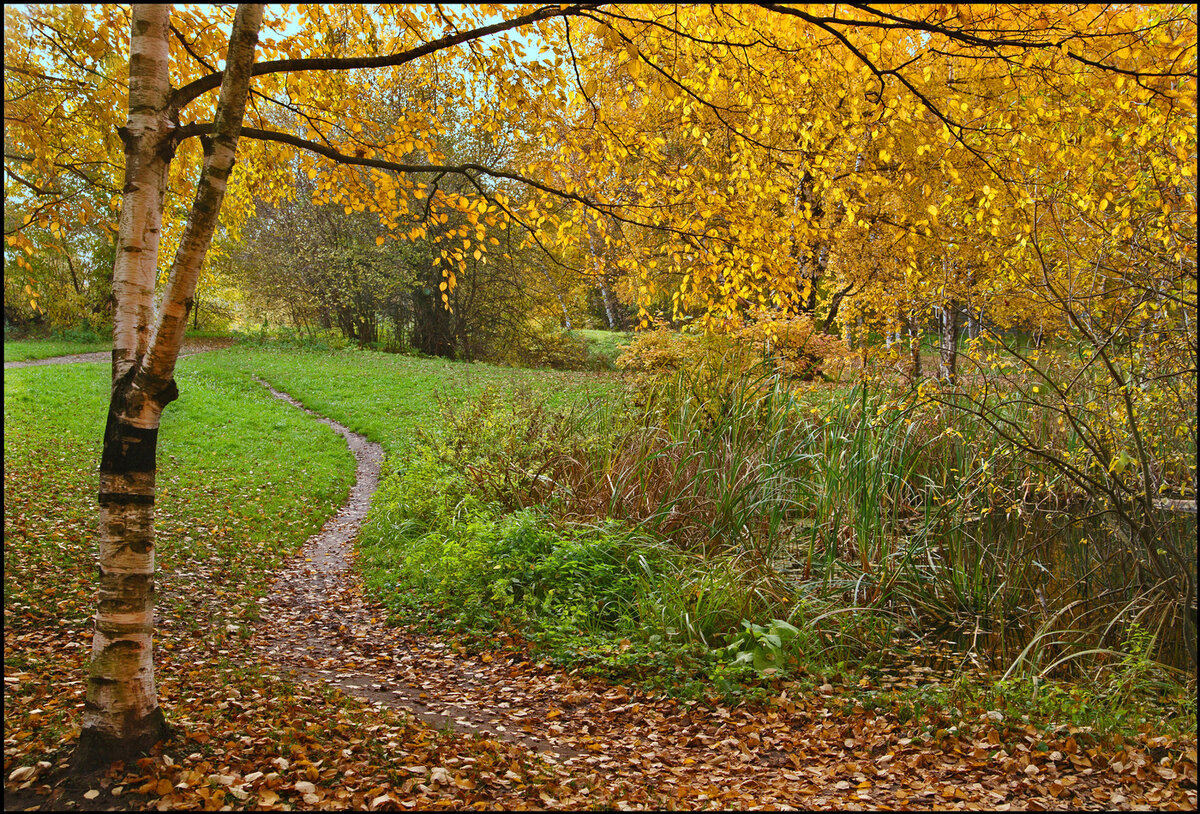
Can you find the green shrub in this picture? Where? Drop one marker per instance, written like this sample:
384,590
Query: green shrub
431,536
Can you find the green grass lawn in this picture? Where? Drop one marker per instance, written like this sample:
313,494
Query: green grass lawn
383,395
230,509
608,344
228,501
243,481
25,350
218,446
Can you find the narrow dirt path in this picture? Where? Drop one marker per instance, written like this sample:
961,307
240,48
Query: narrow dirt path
319,623
190,348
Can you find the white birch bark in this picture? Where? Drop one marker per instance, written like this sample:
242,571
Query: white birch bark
121,712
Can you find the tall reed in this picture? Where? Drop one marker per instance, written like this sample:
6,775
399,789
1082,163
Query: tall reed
835,506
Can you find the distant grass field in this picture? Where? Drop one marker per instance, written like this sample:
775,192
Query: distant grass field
383,395
608,344
28,349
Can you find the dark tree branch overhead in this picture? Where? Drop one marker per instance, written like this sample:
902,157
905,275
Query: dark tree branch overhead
1004,38
187,46
192,90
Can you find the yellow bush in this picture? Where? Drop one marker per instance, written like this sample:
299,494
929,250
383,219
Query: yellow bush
794,344
799,350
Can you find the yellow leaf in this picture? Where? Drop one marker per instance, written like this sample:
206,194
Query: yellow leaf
379,240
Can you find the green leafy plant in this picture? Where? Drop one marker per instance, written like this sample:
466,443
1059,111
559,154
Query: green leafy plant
767,648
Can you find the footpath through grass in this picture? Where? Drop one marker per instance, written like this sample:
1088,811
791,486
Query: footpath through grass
383,395
243,481
230,508
29,349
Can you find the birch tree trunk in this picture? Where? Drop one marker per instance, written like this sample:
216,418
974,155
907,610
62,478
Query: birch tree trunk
121,712
914,346
948,346
604,276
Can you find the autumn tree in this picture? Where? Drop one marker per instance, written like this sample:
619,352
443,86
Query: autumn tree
723,159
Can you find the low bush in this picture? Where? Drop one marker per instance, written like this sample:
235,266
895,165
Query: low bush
465,535
429,537
661,350
795,347
540,347
848,515
792,346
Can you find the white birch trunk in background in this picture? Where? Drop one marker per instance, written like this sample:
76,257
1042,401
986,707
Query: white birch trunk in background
603,270
121,712
948,341
914,347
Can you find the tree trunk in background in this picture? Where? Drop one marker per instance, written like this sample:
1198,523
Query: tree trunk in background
914,338
948,344
974,323
834,305
561,302
121,713
610,310
433,333
604,278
